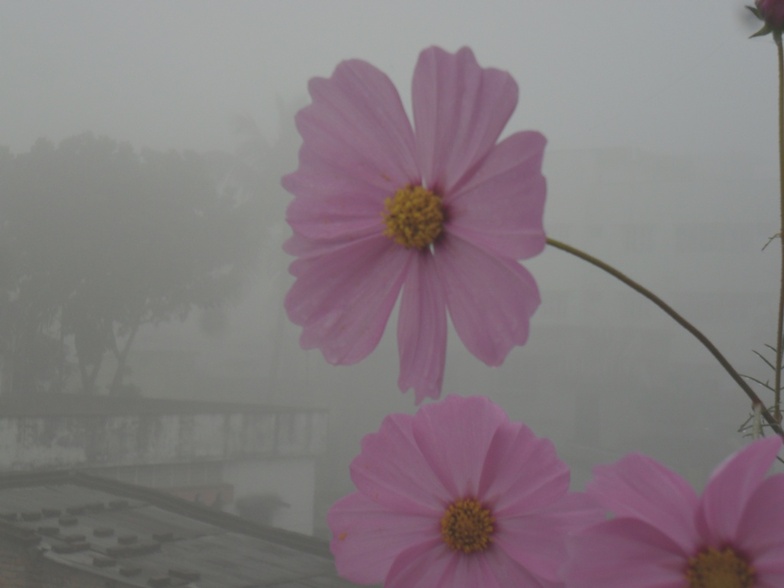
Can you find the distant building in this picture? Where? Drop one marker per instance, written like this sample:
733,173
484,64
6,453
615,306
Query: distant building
217,454
68,529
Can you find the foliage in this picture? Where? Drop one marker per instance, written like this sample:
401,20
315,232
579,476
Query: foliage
99,239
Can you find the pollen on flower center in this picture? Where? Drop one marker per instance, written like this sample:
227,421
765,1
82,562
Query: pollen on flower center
414,217
713,568
467,526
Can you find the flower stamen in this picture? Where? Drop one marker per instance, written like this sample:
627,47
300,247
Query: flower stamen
467,526
414,217
713,568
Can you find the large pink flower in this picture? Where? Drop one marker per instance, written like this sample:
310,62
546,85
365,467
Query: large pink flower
441,212
665,536
456,496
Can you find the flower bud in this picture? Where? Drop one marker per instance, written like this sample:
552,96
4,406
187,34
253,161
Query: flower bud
772,12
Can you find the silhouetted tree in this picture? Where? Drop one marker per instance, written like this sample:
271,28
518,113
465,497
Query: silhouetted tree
98,239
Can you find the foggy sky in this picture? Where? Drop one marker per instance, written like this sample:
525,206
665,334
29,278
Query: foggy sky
653,87
663,75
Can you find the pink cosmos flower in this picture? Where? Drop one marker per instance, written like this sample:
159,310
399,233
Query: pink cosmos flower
456,496
665,536
440,211
772,12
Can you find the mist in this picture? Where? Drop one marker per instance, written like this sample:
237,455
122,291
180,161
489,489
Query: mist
657,162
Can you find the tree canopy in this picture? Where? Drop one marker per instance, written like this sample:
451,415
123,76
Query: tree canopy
98,239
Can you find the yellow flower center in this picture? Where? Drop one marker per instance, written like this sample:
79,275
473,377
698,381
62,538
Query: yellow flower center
712,568
414,217
467,526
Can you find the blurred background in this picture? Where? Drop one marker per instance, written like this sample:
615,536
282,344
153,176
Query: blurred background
142,220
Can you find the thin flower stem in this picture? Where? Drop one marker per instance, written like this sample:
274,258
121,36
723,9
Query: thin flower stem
755,400
780,329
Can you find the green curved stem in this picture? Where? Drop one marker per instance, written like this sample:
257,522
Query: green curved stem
780,326
755,400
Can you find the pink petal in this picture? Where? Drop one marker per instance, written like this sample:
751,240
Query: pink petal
492,569
357,150
538,541
304,247
344,216
428,566
490,299
624,553
343,298
438,567
421,330
460,110
355,134
521,473
454,436
509,572
366,538
770,580
469,572
770,570
640,487
760,533
300,246
729,488
500,207
392,471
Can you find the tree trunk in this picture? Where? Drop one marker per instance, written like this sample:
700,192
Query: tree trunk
122,359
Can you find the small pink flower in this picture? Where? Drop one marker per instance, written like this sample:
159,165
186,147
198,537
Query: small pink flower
456,496
665,536
772,12
440,211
